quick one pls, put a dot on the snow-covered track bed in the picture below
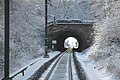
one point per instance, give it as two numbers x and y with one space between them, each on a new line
61 69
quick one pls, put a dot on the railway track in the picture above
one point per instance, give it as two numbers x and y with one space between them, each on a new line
62 68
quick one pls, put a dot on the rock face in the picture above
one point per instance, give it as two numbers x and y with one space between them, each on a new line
106 50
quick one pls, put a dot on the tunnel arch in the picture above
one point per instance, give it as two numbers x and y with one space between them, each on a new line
64 33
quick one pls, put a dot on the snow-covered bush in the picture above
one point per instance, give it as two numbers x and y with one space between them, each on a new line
106 48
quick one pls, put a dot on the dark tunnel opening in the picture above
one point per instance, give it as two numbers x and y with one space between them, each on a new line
63 34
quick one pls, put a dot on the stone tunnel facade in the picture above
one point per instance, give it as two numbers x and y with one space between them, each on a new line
59 32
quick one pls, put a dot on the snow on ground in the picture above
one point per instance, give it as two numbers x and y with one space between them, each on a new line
31 69
92 70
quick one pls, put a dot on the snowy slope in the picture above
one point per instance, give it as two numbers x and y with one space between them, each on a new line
92 70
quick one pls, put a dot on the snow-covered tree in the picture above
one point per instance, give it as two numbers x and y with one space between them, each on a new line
26 31
106 47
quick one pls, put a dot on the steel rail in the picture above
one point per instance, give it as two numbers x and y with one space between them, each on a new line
55 64
53 67
70 67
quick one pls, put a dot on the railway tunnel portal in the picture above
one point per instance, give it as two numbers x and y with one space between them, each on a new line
59 31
